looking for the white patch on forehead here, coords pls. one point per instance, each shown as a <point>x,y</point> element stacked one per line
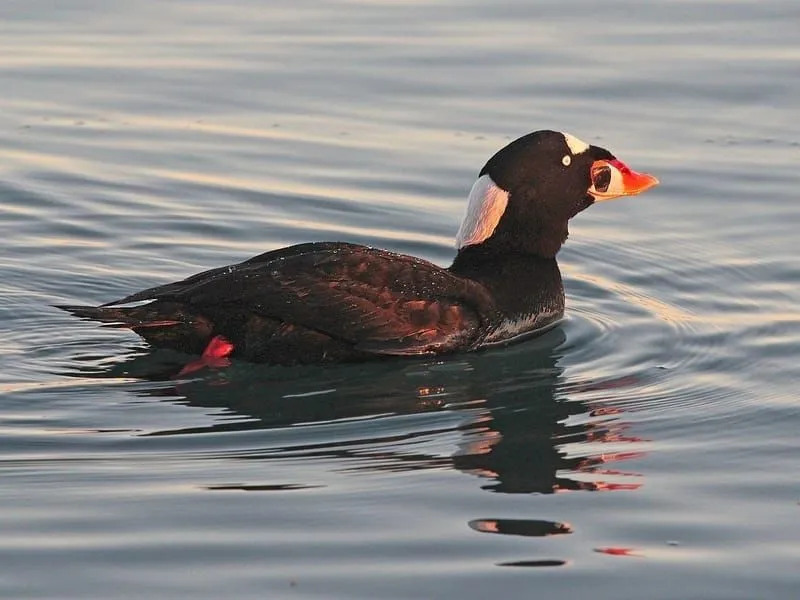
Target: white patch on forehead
<point>576,146</point>
<point>487,203</point>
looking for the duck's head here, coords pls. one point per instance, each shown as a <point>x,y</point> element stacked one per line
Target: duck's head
<point>526,193</point>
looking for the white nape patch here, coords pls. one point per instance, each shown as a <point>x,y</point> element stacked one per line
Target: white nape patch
<point>576,146</point>
<point>487,203</point>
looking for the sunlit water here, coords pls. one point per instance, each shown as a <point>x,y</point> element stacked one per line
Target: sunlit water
<point>645,448</point>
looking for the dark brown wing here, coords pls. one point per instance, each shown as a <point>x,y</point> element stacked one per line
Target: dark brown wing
<point>378,301</point>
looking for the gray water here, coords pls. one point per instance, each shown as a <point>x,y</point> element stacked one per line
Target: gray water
<point>645,448</point>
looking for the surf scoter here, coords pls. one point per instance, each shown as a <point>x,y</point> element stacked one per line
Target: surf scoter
<point>334,301</point>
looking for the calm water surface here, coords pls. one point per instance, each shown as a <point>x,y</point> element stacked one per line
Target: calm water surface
<point>645,448</point>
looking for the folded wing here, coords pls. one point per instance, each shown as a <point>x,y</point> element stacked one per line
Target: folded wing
<point>378,301</point>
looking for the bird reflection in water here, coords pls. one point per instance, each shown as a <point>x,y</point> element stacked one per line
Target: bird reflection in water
<point>525,429</point>
<point>520,425</point>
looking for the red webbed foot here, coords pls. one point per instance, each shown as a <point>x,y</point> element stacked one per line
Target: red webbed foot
<point>215,355</point>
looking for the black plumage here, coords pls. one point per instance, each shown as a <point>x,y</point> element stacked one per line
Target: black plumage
<point>332,301</point>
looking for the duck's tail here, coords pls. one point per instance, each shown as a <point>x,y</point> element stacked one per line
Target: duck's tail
<point>136,317</point>
<point>162,324</point>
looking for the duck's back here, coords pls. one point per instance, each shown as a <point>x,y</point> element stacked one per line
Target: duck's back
<point>312,303</point>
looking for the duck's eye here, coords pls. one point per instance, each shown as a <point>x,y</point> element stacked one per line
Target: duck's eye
<point>567,160</point>
<point>601,178</point>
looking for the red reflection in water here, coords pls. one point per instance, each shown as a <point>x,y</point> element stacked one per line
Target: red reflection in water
<point>618,551</point>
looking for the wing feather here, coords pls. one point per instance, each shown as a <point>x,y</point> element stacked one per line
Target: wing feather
<point>378,301</point>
